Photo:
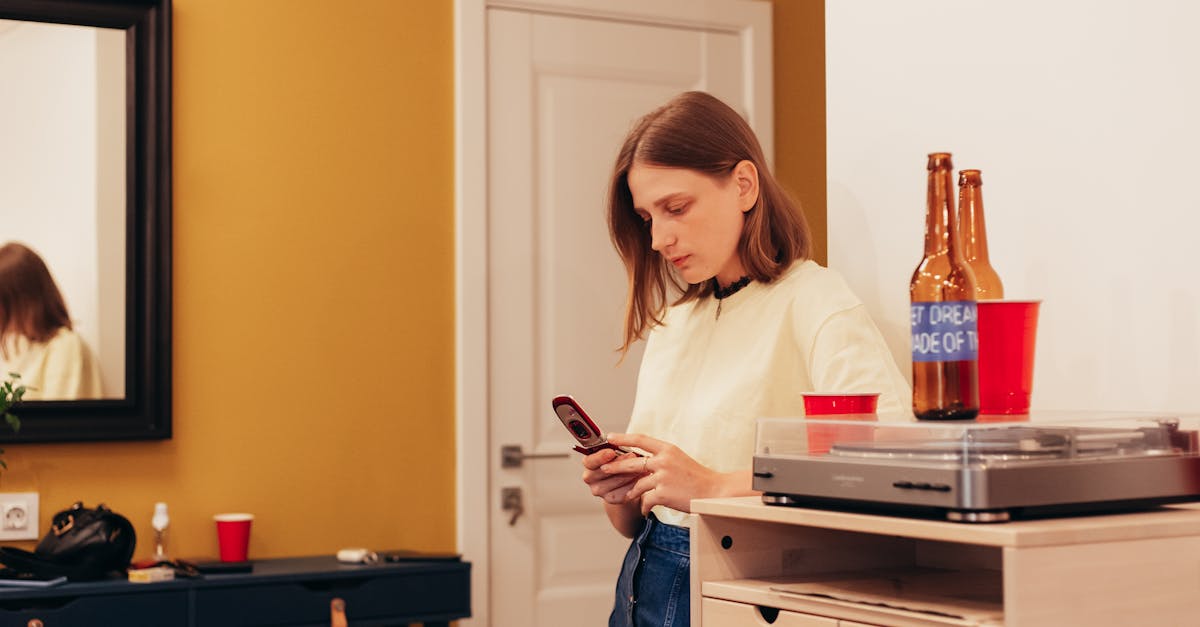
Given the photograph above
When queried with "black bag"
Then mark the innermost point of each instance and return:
(82, 544)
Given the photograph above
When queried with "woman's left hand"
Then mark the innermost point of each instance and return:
(672, 478)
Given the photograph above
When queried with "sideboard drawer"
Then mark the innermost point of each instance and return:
(719, 613)
(369, 597)
(151, 609)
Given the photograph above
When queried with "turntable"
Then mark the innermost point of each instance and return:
(1047, 464)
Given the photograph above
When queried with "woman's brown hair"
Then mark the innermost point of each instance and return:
(699, 132)
(30, 303)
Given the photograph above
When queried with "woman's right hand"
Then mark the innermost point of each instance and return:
(611, 488)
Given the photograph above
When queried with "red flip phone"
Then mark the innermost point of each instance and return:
(589, 436)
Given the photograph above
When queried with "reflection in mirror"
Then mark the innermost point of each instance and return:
(38, 343)
(85, 183)
(62, 169)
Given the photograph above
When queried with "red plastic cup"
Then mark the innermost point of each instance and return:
(838, 407)
(233, 536)
(1007, 337)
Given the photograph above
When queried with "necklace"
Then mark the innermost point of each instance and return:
(734, 288)
(722, 294)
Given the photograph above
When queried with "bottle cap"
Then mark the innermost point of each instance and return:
(160, 519)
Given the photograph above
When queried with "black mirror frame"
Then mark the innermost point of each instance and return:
(145, 411)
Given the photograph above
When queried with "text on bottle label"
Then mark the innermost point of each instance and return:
(944, 331)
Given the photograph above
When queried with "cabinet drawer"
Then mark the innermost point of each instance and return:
(435, 595)
(718, 613)
(151, 609)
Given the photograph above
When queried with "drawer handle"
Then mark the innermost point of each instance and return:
(337, 613)
(769, 614)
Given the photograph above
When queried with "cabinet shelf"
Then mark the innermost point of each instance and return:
(851, 568)
(910, 597)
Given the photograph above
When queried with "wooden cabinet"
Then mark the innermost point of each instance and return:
(718, 612)
(751, 560)
(294, 591)
(148, 608)
(290, 591)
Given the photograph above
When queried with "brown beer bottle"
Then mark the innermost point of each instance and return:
(945, 345)
(974, 236)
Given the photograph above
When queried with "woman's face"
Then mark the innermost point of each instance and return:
(695, 220)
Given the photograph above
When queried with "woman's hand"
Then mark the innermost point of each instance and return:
(668, 476)
(612, 487)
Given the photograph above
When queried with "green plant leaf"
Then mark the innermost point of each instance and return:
(10, 393)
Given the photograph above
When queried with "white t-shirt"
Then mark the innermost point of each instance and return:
(704, 379)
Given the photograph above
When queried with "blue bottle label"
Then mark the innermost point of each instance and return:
(944, 331)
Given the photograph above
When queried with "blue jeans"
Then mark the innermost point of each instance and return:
(654, 587)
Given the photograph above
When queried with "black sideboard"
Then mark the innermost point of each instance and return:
(288, 591)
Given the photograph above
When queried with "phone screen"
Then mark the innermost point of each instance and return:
(581, 426)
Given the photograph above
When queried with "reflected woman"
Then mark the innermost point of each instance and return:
(36, 338)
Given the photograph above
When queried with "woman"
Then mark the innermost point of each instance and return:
(36, 339)
(693, 209)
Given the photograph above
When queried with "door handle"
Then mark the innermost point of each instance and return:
(511, 456)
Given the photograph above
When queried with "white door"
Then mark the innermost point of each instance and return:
(563, 88)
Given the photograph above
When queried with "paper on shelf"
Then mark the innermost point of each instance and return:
(974, 597)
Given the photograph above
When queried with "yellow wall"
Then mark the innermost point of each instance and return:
(314, 287)
(799, 41)
(314, 284)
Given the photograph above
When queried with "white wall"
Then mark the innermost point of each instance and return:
(59, 133)
(1083, 118)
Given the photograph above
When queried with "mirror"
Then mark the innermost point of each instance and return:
(63, 119)
(85, 182)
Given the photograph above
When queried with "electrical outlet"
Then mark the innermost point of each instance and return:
(19, 516)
